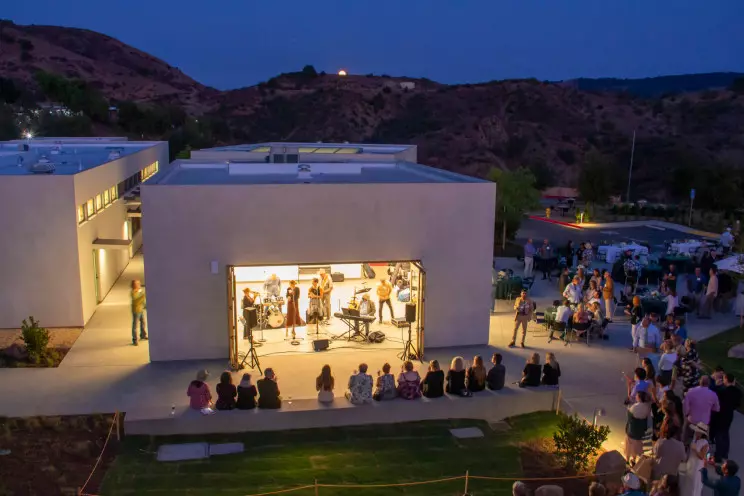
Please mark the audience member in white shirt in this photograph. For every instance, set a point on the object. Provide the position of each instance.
(562, 316)
(666, 361)
(650, 336)
(672, 302)
(710, 294)
(573, 292)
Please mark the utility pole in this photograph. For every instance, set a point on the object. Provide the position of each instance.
(630, 169)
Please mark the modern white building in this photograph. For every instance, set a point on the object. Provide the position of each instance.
(228, 217)
(70, 223)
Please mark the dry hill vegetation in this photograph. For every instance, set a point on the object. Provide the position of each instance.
(684, 140)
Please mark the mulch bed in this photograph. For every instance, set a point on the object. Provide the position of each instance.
(54, 455)
(51, 360)
(538, 461)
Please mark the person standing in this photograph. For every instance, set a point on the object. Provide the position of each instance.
(710, 294)
(273, 286)
(523, 307)
(314, 309)
(293, 309)
(494, 283)
(574, 292)
(608, 294)
(695, 286)
(727, 240)
(728, 484)
(326, 286)
(729, 400)
(546, 260)
(139, 303)
(699, 403)
(250, 315)
(384, 290)
(529, 258)
(691, 483)
(636, 318)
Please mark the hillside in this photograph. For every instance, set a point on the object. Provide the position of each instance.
(661, 85)
(470, 128)
(118, 70)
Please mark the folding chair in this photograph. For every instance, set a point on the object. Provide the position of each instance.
(577, 328)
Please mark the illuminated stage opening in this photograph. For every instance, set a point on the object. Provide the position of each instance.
(306, 308)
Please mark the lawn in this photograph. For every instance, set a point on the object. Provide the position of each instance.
(378, 454)
(714, 351)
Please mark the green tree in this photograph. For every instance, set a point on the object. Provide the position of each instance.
(595, 180)
(577, 440)
(309, 71)
(515, 195)
(544, 176)
(8, 123)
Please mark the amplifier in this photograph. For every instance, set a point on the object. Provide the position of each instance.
(399, 322)
(320, 344)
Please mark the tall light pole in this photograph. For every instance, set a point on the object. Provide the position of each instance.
(630, 168)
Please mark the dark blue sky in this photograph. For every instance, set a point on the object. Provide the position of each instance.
(234, 43)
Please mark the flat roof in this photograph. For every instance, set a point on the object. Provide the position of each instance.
(68, 155)
(196, 172)
(318, 148)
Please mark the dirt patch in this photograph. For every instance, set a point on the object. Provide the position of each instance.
(54, 455)
(61, 340)
(538, 461)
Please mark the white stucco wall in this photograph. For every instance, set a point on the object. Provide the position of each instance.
(448, 226)
(38, 251)
(109, 223)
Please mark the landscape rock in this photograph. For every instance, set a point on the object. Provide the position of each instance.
(16, 351)
(610, 467)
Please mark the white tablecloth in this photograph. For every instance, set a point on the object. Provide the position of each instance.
(689, 247)
(613, 252)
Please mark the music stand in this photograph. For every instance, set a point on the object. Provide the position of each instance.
(410, 352)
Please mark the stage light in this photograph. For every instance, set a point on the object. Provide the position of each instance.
(342, 72)
(28, 135)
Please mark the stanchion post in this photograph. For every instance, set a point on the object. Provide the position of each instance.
(558, 402)
(467, 476)
(316, 488)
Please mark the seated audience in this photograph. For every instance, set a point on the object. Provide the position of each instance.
(598, 321)
(562, 318)
(551, 370)
(246, 393)
(385, 385)
(198, 392)
(432, 386)
(497, 375)
(532, 372)
(476, 375)
(324, 385)
(226, 392)
(360, 386)
(456, 378)
(409, 382)
(268, 391)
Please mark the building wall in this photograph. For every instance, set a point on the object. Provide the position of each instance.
(38, 251)
(449, 227)
(109, 223)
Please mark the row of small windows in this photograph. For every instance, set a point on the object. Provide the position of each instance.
(101, 201)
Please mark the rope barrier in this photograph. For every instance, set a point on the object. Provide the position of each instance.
(400, 484)
(280, 491)
(81, 491)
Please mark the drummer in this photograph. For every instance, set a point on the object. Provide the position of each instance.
(273, 286)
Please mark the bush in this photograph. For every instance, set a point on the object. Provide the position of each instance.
(576, 441)
(35, 337)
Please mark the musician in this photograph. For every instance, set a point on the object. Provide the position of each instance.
(273, 286)
(249, 311)
(367, 309)
(293, 309)
(384, 289)
(315, 309)
(326, 286)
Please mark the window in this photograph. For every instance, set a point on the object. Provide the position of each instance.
(278, 158)
(293, 158)
(157, 167)
(114, 194)
(99, 203)
(106, 198)
(91, 208)
(81, 213)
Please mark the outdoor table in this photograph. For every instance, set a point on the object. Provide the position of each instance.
(652, 304)
(652, 273)
(688, 247)
(683, 263)
(610, 252)
(508, 287)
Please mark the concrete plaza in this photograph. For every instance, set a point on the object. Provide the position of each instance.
(104, 372)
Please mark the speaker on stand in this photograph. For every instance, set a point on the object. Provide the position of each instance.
(410, 352)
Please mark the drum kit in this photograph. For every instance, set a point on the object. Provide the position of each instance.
(270, 313)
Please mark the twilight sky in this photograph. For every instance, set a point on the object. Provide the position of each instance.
(233, 43)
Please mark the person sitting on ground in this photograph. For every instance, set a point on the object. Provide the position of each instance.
(562, 318)
(226, 392)
(456, 378)
(497, 375)
(669, 452)
(360, 386)
(639, 383)
(385, 385)
(268, 391)
(324, 385)
(246, 394)
(476, 375)
(409, 382)
(728, 484)
(432, 386)
(532, 372)
(551, 370)
(200, 396)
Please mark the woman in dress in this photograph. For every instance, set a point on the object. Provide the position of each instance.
(409, 382)
(324, 385)
(314, 309)
(691, 481)
(360, 386)
(385, 385)
(249, 311)
(636, 317)
(293, 309)
(636, 426)
(690, 366)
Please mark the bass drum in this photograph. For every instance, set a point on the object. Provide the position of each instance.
(275, 319)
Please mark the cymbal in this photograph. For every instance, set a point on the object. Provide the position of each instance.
(360, 291)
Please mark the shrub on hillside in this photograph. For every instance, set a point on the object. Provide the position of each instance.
(35, 337)
(576, 441)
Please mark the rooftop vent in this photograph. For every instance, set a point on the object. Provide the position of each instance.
(114, 154)
(43, 166)
(304, 172)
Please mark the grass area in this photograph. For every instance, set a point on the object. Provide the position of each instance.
(375, 454)
(714, 351)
